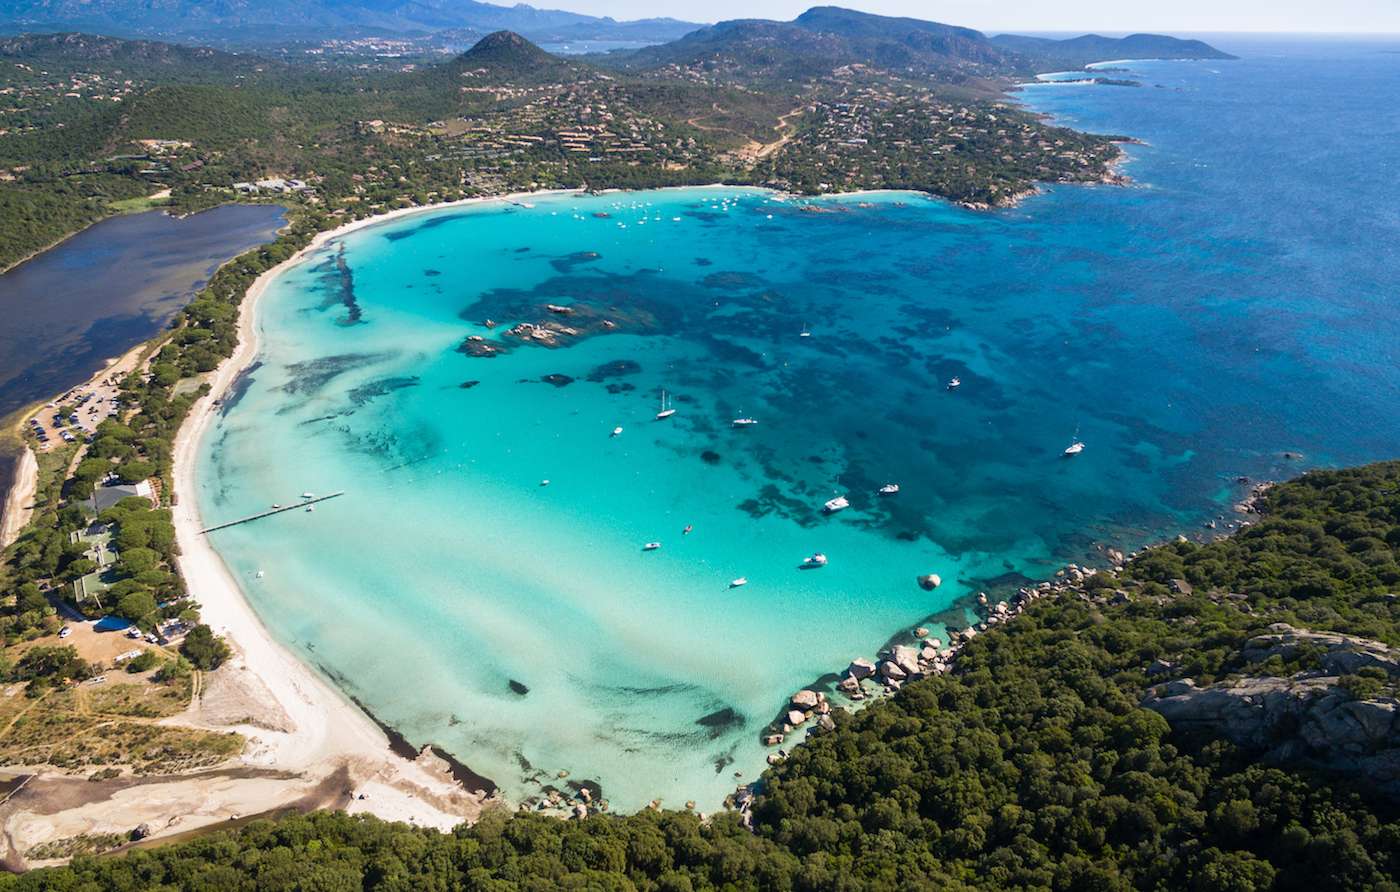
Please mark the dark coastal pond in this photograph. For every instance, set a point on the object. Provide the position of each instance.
(103, 291)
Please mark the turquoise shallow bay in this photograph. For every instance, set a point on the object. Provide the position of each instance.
(447, 571)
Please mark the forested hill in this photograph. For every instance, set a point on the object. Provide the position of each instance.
(1076, 52)
(828, 37)
(141, 57)
(1057, 755)
(273, 21)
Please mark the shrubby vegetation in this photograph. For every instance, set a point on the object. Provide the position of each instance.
(1032, 766)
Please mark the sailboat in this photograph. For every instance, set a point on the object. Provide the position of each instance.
(666, 410)
(1075, 446)
(805, 333)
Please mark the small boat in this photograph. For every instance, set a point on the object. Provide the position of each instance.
(1074, 448)
(889, 489)
(260, 574)
(617, 431)
(544, 482)
(308, 495)
(686, 531)
(651, 546)
(804, 333)
(744, 422)
(837, 504)
(815, 561)
(954, 383)
(666, 410)
(276, 506)
(735, 583)
(310, 508)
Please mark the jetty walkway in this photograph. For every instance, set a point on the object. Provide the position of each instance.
(271, 511)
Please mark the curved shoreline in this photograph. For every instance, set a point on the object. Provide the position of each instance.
(328, 721)
(328, 731)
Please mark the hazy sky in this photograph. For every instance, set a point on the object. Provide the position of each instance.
(1355, 16)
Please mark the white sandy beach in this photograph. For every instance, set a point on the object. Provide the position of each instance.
(19, 502)
(308, 745)
(326, 731)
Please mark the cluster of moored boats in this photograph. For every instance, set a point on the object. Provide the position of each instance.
(832, 505)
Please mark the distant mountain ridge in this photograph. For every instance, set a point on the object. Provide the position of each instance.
(273, 20)
(826, 37)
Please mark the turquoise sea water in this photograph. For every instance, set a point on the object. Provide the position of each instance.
(1237, 304)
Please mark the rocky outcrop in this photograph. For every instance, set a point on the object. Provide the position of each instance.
(1307, 719)
(1336, 654)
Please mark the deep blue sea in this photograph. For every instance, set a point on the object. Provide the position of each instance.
(1240, 302)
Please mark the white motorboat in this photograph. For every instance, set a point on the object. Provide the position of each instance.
(744, 422)
(840, 503)
(617, 431)
(816, 560)
(735, 583)
(1074, 448)
(889, 489)
(651, 546)
(955, 383)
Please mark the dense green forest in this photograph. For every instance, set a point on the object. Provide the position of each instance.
(1032, 766)
(87, 122)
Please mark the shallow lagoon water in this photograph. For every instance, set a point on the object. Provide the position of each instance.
(1187, 338)
(98, 294)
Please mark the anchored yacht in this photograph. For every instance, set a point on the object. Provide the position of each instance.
(666, 410)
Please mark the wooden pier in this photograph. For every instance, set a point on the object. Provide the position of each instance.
(271, 511)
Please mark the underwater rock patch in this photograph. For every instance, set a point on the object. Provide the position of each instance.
(578, 258)
(615, 369)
